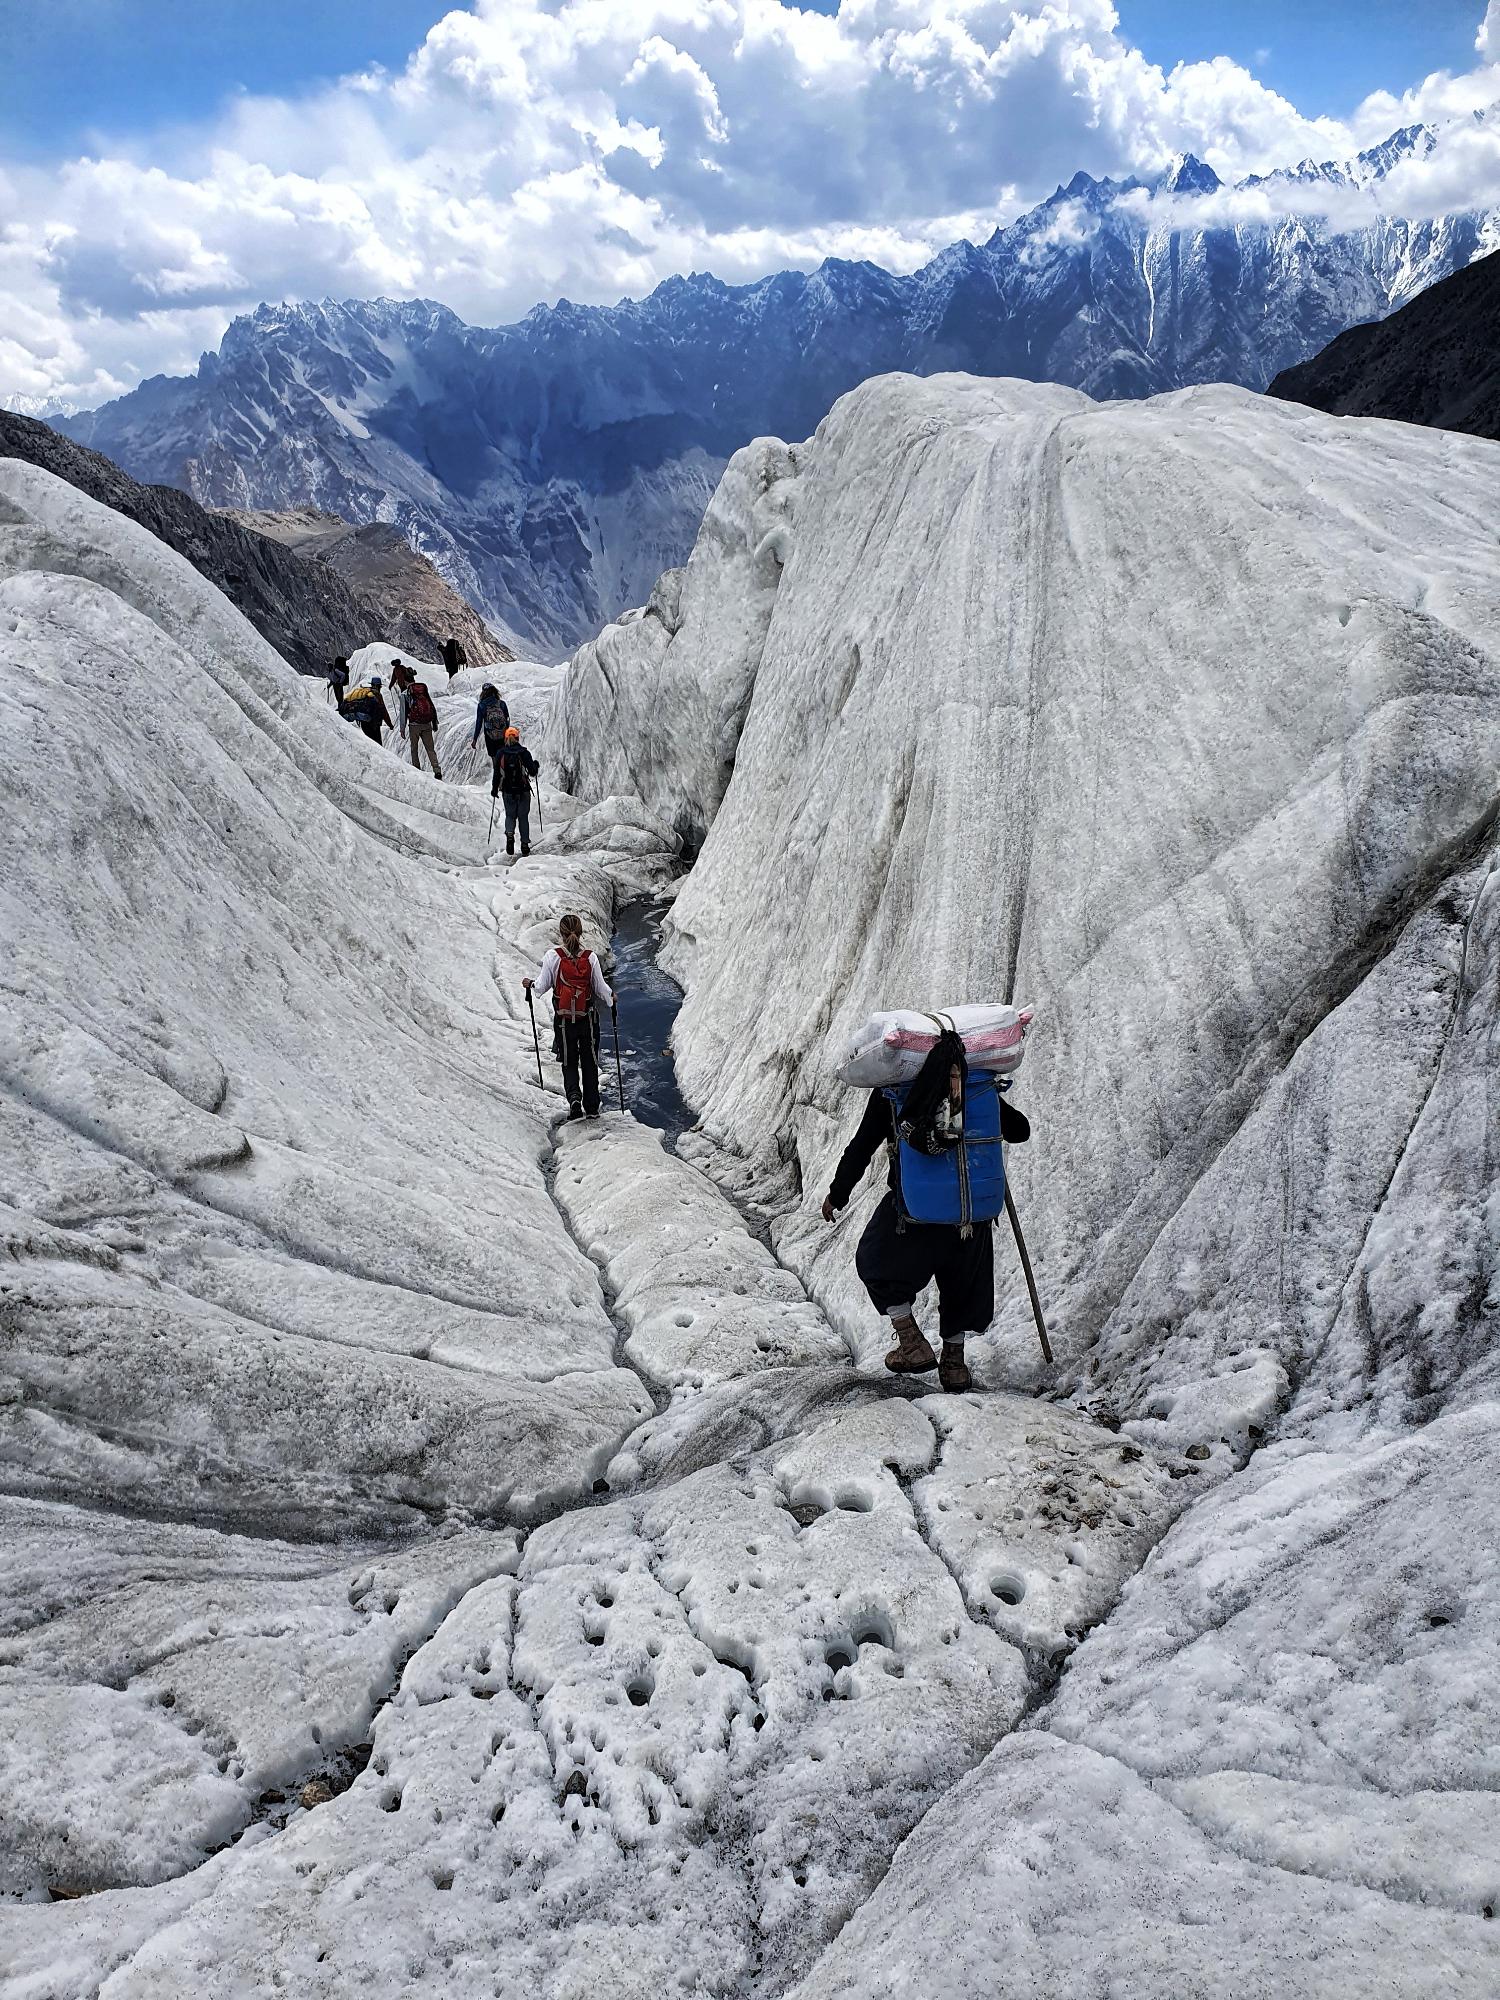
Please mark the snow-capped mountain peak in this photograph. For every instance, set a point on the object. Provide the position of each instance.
(554, 467)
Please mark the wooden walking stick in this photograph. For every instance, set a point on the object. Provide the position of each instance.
(535, 1039)
(1036, 1304)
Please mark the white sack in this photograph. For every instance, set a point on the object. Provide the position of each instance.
(890, 1048)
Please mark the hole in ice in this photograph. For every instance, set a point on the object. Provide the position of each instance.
(799, 1877)
(873, 1629)
(639, 1692)
(442, 1878)
(1008, 1587)
(682, 1319)
(594, 1638)
(838, 1657)
(854, 1502)
(498, 1814)
(805, 1513)
(169, 1700)
(601, 1485)
(1488, 1910)
(603, 1597)
(1436, 1618)
(390, 1801)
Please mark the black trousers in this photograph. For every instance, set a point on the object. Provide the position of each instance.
(580, 1060)
(371, 729)
(895, 1265)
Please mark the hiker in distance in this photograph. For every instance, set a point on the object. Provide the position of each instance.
(338, 681)
(515, 768)
(572, 976)
(945, 1187)
(491, 720)
(421, 720)
(366, 706)
(454, 656)
(401, 677)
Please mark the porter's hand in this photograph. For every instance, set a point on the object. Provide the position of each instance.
(527, 984)
(829, 1211)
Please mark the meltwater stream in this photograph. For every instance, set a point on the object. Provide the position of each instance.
(648, 1003)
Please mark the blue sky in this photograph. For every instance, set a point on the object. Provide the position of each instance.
(168, 164)
(79, 70)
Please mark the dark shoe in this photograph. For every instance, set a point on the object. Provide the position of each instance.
(525, 850)
(591, 1114)
(510, 847)
(953, 1370)
(575, 1110)
(911, 1355)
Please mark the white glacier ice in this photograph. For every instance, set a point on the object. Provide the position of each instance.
(447, 1549)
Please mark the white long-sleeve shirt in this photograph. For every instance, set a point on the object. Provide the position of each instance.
(548, 980)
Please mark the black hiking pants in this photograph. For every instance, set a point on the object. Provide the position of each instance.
(371, 729)
(580, 1061)
(895, 1265)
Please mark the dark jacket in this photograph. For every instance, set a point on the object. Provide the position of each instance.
(490, 707)
(877, 1128)
(517, 769)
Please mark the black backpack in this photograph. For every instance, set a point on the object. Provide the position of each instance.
(514, 776)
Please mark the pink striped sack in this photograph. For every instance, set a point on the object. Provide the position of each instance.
(890, 1048)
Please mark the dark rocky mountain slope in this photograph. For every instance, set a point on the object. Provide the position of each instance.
(303, 608)
(1435, 362)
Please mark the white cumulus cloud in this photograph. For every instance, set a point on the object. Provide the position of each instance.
(588, 148)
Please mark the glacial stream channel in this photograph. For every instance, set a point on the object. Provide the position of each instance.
(648, 1003)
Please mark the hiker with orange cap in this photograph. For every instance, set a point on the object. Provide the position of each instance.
(515, 767)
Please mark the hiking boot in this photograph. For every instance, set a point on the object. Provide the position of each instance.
(575, 1110)
(911, 1355)
(953, 1370)
(525, 850)
(510, 847)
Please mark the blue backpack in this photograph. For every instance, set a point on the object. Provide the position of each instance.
(964, 1185)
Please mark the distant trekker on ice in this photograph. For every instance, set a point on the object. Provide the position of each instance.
(402, 678)
(491, 720)
(572, 976)
(454, 656)
(946, 1185)
(366, 705)
(338, 681)
(515, 768)
(421, 720)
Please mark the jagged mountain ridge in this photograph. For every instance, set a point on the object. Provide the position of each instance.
(1436, 361)
(553, 468)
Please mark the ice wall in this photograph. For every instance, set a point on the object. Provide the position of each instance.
(1179, 719)
(283, 1247)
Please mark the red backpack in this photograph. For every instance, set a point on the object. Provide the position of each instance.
(573, 991)
(419, 708)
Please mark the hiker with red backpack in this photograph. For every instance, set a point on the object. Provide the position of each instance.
(421, 720)
(943, 1134)
(578, 988)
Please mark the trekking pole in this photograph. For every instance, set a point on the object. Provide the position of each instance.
(535, 1039)
(1036, 1304)
(491, 834)
(614, 1015)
